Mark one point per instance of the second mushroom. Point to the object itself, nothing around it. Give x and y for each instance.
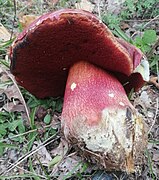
(72, 53)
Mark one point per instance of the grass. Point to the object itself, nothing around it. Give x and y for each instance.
(16, 132)
(146, 40)
(140, 9)
(150, 164)
(19, 132)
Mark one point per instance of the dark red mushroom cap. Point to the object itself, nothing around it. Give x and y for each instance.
(43, 53)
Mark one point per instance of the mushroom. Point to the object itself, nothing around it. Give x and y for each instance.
(97, 117)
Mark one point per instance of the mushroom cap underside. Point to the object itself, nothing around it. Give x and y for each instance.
(43, 53)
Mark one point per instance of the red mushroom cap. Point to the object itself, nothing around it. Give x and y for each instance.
(43, 53)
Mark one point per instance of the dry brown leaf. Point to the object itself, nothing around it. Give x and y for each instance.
(144, 97)
(154, 81)
(42, 154)
(4, 78)
(156, 156)
(9, 106)
(124, 26)
(18, 108)
(3, 75)
(4, 34)
(61, 150)
(41, 113)
(26, 20)
(85, 5)
(12, 92)
(14, 107)
(55, 122)
(68, 164)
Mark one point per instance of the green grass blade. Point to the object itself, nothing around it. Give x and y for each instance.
(150, 164)
(5, 63)
(5, 145)
(118, 32)
(32, 169)
(72, 171)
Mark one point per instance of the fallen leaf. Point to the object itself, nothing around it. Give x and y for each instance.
(26, 20)
(12, 92)
(72, 163)
(55, 122)
(13, 155)
(18, 108)
(47, 119)
(4, 34)
(144, 97)
(13, 107)
(61, 150)
(154, 81)
(85, 5)
(54, 161)
(41, 113)
(42, 154)
(124, 26)
(115, 6)
(155, 156)
(4, 77)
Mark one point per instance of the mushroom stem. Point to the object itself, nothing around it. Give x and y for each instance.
(98, 115)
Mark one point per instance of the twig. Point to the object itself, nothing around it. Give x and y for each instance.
(149, 54)
(21, 96)
(22, 134)
(154, 120)
(34, 174)
(99, 12)
(140, 20)
(27, 155)
(150, 21)
(14, 18)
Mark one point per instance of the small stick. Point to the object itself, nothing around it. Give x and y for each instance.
(14, 18)
(21, 96)
(154, 120)
(27, 155)
(140, 20)
(150, 21)
(99, 13)
(149, 54)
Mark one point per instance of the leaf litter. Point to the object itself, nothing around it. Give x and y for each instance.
(4, 33)
(12, 91)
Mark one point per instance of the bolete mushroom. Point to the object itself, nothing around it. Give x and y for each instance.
(97, 118)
